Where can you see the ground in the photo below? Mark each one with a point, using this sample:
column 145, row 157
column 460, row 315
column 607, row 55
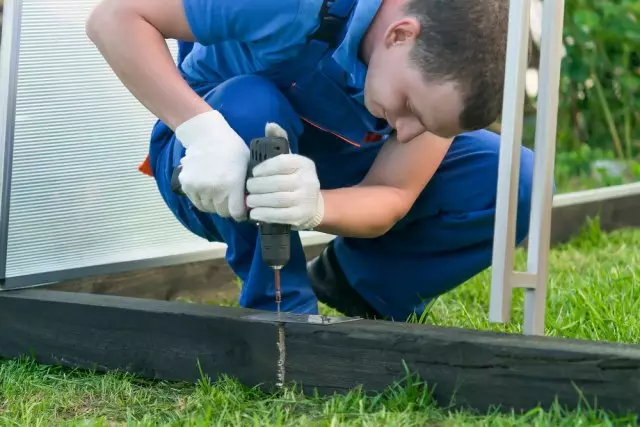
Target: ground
column 591, row 296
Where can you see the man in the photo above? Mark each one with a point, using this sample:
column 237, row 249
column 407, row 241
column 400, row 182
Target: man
column 383, row 102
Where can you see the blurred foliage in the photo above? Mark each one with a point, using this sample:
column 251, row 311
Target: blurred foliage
column 599, row 102
column 592, row 167
column 601, row 76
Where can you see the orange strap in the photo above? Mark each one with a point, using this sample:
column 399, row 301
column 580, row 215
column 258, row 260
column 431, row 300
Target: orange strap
column 145, row 167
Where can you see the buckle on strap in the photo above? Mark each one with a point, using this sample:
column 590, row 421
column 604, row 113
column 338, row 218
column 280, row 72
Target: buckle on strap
column 331, row 26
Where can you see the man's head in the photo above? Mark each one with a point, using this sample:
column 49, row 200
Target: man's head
column 436, row 65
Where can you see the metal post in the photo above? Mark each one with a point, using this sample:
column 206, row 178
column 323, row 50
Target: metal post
column 509, row 164
column 504, row 279
column 9, row 57
column 545, row 147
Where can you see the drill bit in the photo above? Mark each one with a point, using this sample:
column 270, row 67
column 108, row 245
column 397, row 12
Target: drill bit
column 276, row 278
column 274, row 238
column 280, row 368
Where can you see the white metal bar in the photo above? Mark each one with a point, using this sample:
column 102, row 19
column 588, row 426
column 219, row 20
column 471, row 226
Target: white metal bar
column 9, row 57
column 523, row 280
column 545, row 147
column 509, row 163
column 597, row 194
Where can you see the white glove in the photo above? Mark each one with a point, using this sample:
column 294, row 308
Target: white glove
column 214, row 168
column 285, row 190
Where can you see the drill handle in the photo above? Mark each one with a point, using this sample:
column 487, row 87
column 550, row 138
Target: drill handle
column 260, row 149
column 266, row 148
column 274, row 238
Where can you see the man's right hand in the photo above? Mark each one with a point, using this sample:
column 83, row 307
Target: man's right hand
column 214, row 168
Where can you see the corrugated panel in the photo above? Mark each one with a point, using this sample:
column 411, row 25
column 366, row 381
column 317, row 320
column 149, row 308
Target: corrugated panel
column 77, row 199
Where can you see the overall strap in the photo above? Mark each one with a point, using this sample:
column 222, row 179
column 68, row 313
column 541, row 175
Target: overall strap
column 334, row 15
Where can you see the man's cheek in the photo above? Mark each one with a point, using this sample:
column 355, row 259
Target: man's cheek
column 417, row 128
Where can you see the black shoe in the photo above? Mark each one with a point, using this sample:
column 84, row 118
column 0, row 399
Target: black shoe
column 331, row 287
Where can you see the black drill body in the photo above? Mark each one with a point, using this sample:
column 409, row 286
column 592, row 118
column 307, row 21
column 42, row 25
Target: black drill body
column 275, row 239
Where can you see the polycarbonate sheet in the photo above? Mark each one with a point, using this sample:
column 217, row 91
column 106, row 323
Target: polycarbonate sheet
column 77, row 199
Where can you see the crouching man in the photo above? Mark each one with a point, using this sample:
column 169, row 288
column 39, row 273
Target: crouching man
column 385, row 103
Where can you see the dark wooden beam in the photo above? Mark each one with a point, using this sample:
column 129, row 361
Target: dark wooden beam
column 161, row 339
column 151, row 338
column 469, row 369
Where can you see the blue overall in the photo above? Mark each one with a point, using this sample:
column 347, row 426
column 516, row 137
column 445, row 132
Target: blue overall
column 257, row 61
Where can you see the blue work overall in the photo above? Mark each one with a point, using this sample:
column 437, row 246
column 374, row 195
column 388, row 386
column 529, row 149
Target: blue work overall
column 446, row 237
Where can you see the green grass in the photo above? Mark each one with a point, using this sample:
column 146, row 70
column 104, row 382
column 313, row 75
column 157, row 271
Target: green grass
column 591, row 296
column 592, row 292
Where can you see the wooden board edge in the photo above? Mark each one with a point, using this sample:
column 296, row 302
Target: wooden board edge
column 479, row 370
column 601, row 194
column 150, row 338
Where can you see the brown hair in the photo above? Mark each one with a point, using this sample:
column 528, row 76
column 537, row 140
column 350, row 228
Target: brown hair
column 465, row 41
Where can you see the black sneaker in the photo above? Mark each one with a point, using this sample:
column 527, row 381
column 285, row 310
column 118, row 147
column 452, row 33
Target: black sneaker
column 331, row 287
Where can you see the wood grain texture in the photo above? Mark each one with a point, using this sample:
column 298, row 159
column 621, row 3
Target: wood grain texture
column 154, row 339
column 161, row 339
column 466, row 368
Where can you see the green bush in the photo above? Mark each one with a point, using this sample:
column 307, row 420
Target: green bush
column 599, row 103
column 598, row 137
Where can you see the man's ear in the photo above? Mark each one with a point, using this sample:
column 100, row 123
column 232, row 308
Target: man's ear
column 405, row 30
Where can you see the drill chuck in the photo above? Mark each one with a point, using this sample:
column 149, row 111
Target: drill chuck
column 275, row 244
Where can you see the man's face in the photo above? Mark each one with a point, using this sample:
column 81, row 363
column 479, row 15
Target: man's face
column 396, row 91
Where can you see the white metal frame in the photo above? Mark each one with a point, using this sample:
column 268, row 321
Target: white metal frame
column 504, row 278
column 9, row 52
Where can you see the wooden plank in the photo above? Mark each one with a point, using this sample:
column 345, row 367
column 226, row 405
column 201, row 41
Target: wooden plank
column 469, row 369
column 161, row 339
column 154, row 339
column 570, row 214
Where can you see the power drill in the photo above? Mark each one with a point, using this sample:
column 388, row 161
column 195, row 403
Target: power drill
column 274, row 238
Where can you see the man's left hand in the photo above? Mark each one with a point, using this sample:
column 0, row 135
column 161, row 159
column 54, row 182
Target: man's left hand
column 285, row 190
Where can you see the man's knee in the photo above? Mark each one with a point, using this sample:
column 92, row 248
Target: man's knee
column 489, row 143
column 249, row 102
column 471, row 173
column 524, row 193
